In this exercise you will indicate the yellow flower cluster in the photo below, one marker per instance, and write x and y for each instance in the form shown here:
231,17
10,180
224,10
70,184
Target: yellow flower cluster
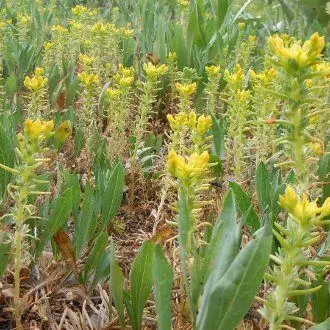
264,77
186,89
243,96
154,72
235,79
184,3
86,60
61,30
82,12
38,130
297,56
113,94
201,124
124,77
89,80
212,71
37,82
195,166
300,208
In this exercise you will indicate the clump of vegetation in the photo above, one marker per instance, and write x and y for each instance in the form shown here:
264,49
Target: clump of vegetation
164,164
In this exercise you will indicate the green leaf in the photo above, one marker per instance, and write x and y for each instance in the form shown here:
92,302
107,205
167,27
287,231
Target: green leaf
60,215
263,188
162,274
322,326
5,248
102,270
6,158
96,255
141,281
233,293
321,301
324,174
113,195
218,133
86,220
117,286
219,10
223,247
245,207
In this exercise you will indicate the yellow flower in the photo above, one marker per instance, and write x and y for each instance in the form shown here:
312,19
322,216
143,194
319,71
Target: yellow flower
243,96
177,121
297,56
235,79
127,33
204,123
113,94
62,132
35,83
212,71
126,81
172,57
89,80
186,89
301,208
86,60
195,167
317,148
153,72
38,130
126,72
38,71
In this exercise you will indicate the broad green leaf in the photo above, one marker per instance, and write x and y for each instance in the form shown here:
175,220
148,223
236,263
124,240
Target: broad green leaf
113,194
184,217
162,274
245,207
223,247
102,270
324,174
6,158
59,216
141,281
96,255
5,248
233,293
82,230
117,286
218,133
263,188
322,326
321,301
219,10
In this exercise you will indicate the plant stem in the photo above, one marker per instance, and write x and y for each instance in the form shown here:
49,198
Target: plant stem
17,280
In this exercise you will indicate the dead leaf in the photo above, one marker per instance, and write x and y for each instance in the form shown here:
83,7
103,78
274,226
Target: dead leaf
63,241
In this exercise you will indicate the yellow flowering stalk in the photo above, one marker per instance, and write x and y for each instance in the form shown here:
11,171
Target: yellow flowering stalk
185,92
172,72
188,171
90,84
239,116
147,99
265,113
30,152
294,65
37,85
211,90
297,238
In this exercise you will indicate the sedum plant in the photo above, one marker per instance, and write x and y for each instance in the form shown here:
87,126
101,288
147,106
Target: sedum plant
239,117
147,99
301,232
294,64
265,113
211,90
37,98
31,155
